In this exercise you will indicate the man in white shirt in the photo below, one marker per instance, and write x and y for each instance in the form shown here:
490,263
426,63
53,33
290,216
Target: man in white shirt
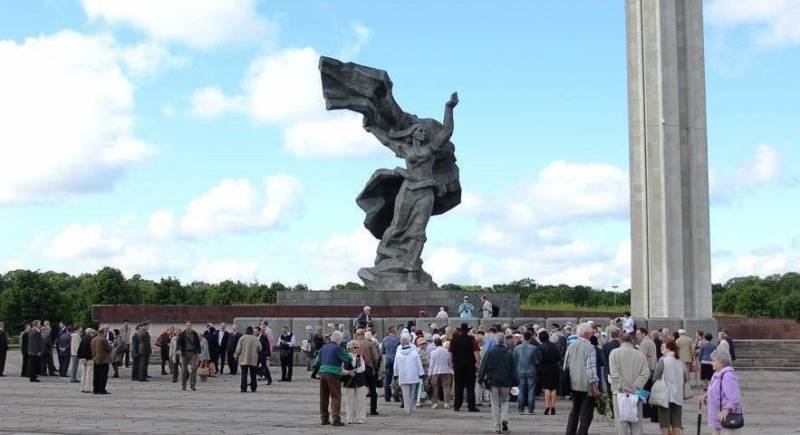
442,317
486,305
628,323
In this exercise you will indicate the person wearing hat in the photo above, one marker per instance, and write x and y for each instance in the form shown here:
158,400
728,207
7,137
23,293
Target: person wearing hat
466,308
466,354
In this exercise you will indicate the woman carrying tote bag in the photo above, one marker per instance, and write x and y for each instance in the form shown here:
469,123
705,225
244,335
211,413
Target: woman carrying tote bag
672,372
724,397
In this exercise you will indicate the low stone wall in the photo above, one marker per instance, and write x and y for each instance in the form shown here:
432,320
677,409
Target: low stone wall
300,315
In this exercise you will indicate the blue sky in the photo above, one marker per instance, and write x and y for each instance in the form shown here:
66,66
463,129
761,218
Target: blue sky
189,138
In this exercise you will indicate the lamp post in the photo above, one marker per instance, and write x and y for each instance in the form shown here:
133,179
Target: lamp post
615,286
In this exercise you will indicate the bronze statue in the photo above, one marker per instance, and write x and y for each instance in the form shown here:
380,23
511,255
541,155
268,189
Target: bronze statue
398,202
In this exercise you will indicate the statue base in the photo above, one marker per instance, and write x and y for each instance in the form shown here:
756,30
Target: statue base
396,281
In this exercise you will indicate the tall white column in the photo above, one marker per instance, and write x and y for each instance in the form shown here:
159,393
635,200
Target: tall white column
670,252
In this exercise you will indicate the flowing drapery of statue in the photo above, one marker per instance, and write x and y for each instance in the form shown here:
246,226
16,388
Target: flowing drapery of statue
398,202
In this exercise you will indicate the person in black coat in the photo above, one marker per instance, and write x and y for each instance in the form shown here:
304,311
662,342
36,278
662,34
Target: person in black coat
134,349
213,345
233,340
263,356
35,350
3,348
221,337
23,341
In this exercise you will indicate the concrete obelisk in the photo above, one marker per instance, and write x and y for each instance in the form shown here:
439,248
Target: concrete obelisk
670,252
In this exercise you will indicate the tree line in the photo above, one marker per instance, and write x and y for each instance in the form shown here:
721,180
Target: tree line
26,295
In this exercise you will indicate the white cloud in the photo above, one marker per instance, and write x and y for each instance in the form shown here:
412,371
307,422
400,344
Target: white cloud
338,258
161,224
201,24
339,135
564,189
84,241
359,37
67,111
222,270
168,111
561,192
763,168
283,88
756,263
210,102
777,22
448,264
237,205
14,264
148,58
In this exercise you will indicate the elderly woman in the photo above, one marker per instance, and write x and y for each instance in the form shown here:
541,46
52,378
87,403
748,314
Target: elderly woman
724,397
354,384
408,371
117,352
673,372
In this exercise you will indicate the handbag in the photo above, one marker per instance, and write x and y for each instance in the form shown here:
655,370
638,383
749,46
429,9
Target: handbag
732,420
659,395
687,391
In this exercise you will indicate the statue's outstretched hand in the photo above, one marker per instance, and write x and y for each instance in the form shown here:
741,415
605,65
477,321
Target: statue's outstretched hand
453,100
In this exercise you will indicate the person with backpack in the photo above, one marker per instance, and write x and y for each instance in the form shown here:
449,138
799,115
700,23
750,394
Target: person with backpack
488,308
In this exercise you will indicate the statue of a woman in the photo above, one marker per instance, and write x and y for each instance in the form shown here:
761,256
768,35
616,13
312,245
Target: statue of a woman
398,202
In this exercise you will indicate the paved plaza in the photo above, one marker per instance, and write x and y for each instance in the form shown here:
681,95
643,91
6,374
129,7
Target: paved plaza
55,406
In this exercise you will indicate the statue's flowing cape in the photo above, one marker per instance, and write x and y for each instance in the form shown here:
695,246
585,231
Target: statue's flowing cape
368,91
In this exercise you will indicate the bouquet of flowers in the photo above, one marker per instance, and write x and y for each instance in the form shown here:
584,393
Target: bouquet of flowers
602,405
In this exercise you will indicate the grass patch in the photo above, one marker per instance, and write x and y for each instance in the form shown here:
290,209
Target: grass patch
566,306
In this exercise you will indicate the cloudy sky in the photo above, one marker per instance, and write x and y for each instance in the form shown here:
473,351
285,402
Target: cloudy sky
188,138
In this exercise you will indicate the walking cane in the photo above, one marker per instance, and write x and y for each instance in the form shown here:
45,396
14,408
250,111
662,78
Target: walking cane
699,416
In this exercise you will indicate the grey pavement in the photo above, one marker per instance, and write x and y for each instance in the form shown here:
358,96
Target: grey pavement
54,406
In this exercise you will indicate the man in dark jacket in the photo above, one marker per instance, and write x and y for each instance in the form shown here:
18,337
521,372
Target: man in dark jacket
3,348
23,341
465,353
145,349
498,375
134,349
233,340
221,338
64,344
35,349
263,357
189,347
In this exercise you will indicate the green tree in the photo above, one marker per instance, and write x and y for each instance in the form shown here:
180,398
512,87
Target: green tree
30,296
228,293
349,285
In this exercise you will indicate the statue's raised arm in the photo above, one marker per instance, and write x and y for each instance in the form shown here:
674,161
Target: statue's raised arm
447,125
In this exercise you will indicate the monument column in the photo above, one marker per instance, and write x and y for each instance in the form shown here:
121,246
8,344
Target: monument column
670,252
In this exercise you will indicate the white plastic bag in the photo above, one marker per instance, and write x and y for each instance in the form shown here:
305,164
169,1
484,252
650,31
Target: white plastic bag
628,405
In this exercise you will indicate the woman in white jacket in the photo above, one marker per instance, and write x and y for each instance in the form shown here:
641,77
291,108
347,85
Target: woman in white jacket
673,372
408,371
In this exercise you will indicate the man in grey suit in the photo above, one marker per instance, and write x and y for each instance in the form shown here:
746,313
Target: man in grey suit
35,350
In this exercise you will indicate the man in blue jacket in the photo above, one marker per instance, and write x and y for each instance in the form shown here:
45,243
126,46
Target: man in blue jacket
389,350
526,363
497,374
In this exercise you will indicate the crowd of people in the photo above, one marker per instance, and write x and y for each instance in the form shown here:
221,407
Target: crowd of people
617,370
613,370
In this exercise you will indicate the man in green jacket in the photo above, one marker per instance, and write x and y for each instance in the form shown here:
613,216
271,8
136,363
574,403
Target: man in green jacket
330,360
